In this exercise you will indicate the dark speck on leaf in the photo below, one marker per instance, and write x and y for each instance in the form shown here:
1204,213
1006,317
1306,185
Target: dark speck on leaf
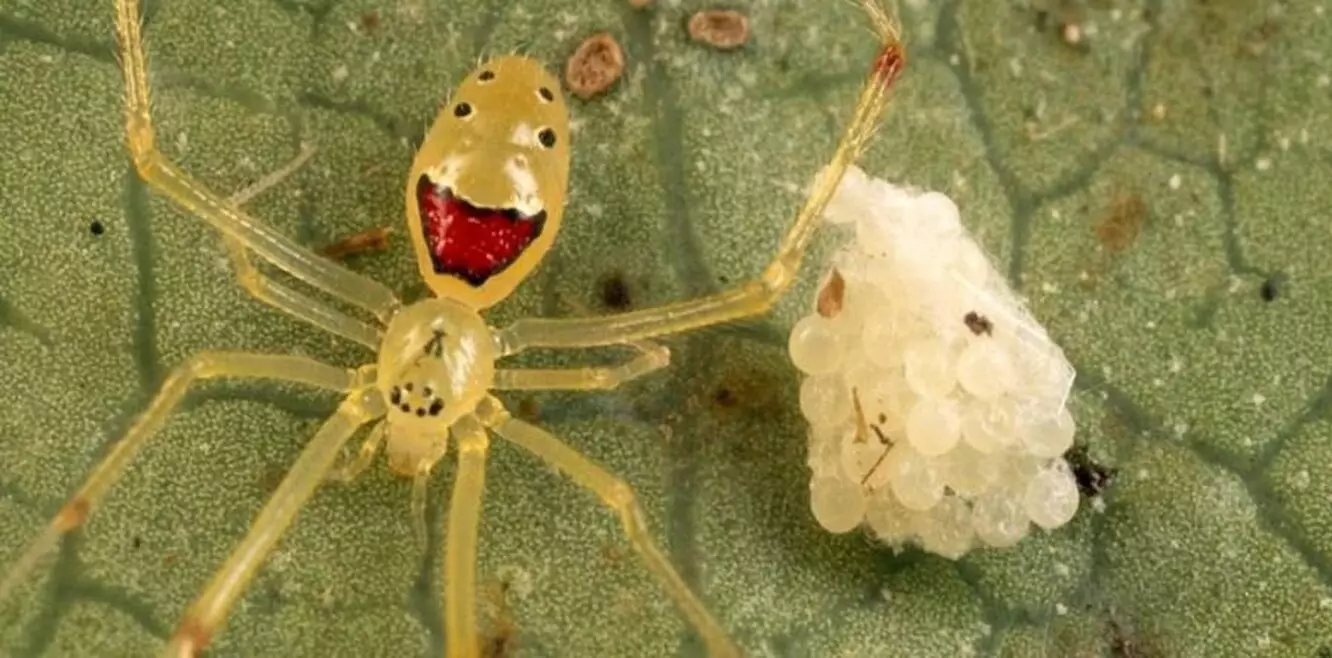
528,410
725,397
97,228
615,292
1324,651
1271,289
1092,478
1042,20
136,542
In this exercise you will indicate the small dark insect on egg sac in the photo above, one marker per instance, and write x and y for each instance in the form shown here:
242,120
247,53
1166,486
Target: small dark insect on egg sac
485,199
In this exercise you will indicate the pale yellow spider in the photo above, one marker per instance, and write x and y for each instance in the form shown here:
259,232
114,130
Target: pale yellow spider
485,197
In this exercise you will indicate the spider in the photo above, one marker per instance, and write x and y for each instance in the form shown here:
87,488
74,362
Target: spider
485,198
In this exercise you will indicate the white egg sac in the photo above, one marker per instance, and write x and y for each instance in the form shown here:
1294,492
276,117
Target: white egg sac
937,406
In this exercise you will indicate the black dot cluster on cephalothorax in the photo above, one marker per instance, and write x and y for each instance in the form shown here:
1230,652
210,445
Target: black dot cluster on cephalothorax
431,404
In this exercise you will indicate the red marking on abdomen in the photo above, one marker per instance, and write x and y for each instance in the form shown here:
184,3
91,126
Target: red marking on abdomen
474,243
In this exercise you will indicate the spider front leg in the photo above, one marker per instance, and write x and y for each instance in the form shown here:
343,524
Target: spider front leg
166,178
617,495
279,296
205,366
759,294
209,610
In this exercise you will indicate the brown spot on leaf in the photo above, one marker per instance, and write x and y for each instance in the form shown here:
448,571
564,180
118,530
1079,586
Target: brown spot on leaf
1124,644
528,410
500,639
612,553
595,66
748,391
1122,223
370,22
832,295
723,29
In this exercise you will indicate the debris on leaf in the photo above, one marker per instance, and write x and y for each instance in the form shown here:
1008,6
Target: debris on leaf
375,239
595,66
829,303
723,29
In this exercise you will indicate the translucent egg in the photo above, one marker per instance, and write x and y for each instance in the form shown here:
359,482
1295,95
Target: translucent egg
825,450
989,426
915,479
1044,371
1051,437
887,518
934,426
968,472
950,532
838,505
882,340
985,369
999,518
860,455
928,365
816,346
1052,496
1016,469
885,401
824,399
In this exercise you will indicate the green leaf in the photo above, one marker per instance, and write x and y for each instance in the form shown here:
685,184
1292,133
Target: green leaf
1157,187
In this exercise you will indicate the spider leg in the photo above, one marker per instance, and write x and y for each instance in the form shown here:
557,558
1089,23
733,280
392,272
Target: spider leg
165,177
458,577
759,294
651,357
206,615
617,495
204,366
275,294
352,468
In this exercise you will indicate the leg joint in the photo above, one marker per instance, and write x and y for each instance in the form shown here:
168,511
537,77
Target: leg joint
73,514
202,365
147,161
621,496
